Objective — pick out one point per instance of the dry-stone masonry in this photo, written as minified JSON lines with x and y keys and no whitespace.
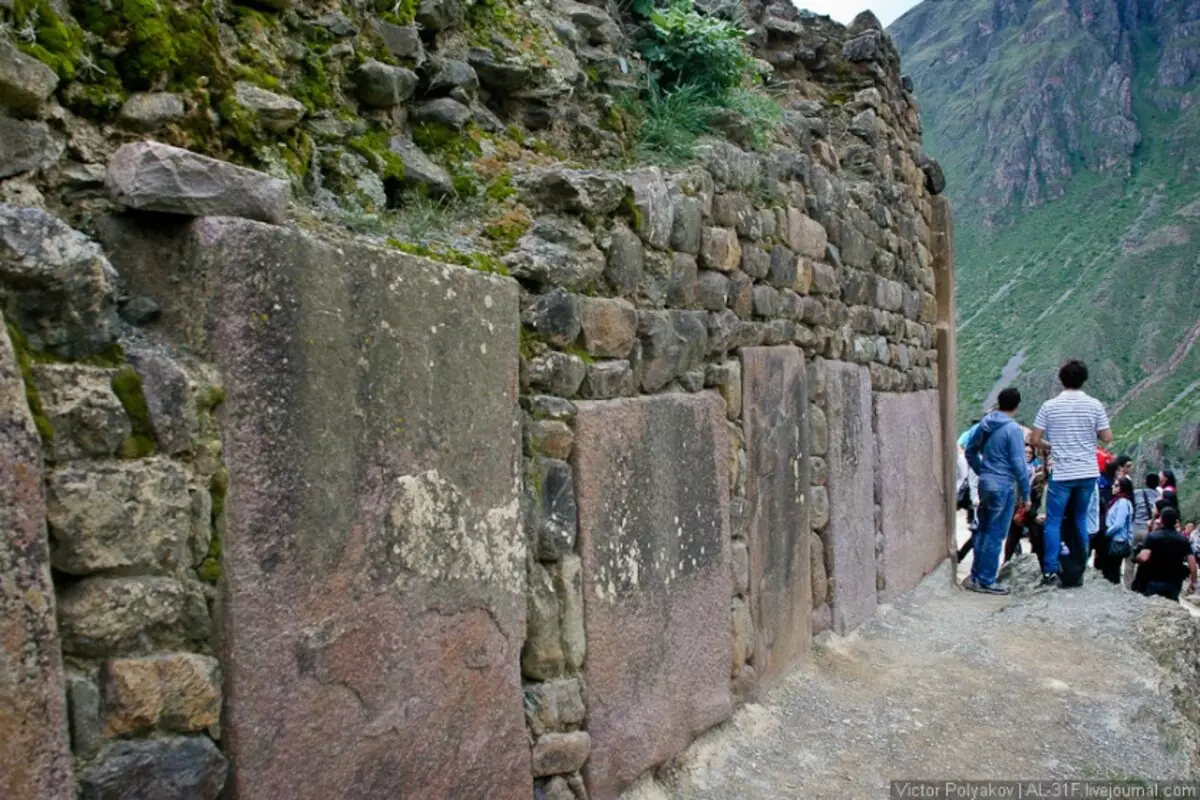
{"x":375,"y":420}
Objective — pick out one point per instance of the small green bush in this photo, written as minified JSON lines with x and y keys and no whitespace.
{"x":670,"y":122}
{"x":683,"y":46}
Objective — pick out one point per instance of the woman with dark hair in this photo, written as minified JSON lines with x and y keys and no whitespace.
{"x":1116,"y":543}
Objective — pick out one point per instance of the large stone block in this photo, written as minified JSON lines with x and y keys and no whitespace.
{"x":35,"y":758}
{"x":908,"y":443}
{"x":373,"y":557}
{"x":775,"y":413}
{"x":850,"y":535}
{"x":653,"y":535}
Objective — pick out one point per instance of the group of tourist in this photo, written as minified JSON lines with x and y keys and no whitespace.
{"x":1078,"y":502}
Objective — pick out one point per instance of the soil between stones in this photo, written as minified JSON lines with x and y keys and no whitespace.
{"x":1094,"y":682}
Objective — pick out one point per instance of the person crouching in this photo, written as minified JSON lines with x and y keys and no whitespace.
{"x":1165,"y":560}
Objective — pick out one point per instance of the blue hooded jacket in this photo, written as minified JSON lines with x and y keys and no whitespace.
{"x":996,"y":452}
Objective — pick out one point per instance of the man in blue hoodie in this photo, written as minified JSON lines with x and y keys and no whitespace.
{"x":996,"y":451}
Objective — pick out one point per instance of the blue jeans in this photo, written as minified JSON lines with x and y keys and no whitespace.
{"x":997,"y":502}
{"x":1077,"y":495}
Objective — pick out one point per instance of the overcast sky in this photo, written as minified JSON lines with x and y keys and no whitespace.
{"x":846,"y":10}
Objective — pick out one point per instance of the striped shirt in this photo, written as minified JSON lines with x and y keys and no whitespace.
{"x":1070,"y":423}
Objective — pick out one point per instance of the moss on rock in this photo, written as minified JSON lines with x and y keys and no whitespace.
{"x":127,"y":386}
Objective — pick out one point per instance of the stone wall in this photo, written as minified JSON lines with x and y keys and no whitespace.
{"x":320,"y":513}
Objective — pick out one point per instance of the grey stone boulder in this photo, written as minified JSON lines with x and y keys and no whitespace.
{"x":26,"y":146}
{"x":439,"y":15}
{"x":596,"y":22}
{"x":556,"y":373}
{"x":170,"y":398}
{"x":151,"y":176}
{"x":626,"y":260}
{"x":402,"y":41}
{"x":176,"y":768}
{"x":122,"y":514}
{"x":867,"y":46}
{"x":85,"y":414}
{"x":383,"y":85}
{"x":148,"y":111}
{"x":555,"y":317}
{"x":656,"y":213}
{"x":557,"y":251}
{"x":573,"y":191}
{"x":444,"y":111}
{"x":453,"y":76}
{"x":420,"y":171}
{"x":935,"y":178}
{"x":274,"y":112}
{"x":25,"y":83}
{"x":502,"y":76}
{"x":101,"y":617}
{"x":59,"y":289}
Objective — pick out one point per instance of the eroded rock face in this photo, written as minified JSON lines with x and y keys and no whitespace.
{"x":774,"y":406}
{"x":35,"y":760}
{"x":850,"y":535}
{"x":156,"y":177}
{"x":653,"y":536}
{"x":382,"y":551}
{"x":57,"y":286}
{"x":175,"y":768}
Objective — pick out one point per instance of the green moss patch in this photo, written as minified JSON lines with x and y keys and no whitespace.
{"x":127,"y":386}
{"x":32,"y":398}
{"x":482,"y":262}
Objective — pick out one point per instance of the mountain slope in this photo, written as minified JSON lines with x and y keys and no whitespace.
{"x":1069,"y":131}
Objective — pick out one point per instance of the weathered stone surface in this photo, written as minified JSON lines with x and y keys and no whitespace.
{"x":609,"y":327}
{"x":383,"y":85}
{"x":151,"y":176}
{"x":276,"y":113}
{"x":557,"y":788}
{"x":420,"y":171}
{"x":146,"y":111}
{"x":177,"y":768}
{"x":850,"y":536}
{"x":806,"y":236}
{"x":60,"y":288}
{"x":727,"y":377}
{"x":443,"y":111}
{"x":557,"y":373}
{"x":774,"y":411}
{"x":542,"y":653}
{"x":741,"y":566}
{"x":820,"y":579}
{"x":106,"y":515}
{"x":552,"y":438}
{"x":720,"y":249}
{"x":819,"y":513}
{"x":682,"y":291}
{"x":35,"y":758}
{"x":403,"y":41}
{"x":365,"y":521}
{"x":559,"y":753}
{"x":608,"y":379}
{"x":655,"y":217}
{"x":177,"y":692}
{"x":653,"y":536}
{"x":78,"y":401}
{"x":819,"y":430}
{"x":554,"y":705}
{"x":83,"y":710}
{"x":568,"y":584}
{"x":672,"y":343}
{"x":685,"y":232}
{"x":102,"y":617}
{"x":558,"y":251}
{"x":743,"y":635}
{"x":169,"y":397}
{"x":27,"y":146}
{"x":554,"y":525}
{"x":712,"y":289}
{"x":573,"y":191}
{"x":554,"y":316}
{"x":25,"y":83}
{"x":626,"y":260}
{"x":818,"y":470}
{"x":908,"y":442}
{"x":453,"y":77}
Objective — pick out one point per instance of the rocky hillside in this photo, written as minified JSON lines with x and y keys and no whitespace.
{"x":1068,"y":130}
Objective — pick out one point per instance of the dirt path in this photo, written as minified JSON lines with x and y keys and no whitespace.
{"x":951,"y":685}
{"x":1163,"y":371}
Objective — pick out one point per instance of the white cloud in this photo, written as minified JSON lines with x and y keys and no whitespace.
{"x":845,"y":10}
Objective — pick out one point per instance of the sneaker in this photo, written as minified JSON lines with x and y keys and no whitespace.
{"x":1051,"y":580}
{"x":972,"y":585}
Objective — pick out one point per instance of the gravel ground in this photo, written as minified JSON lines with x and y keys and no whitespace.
{"x":1092,"y":682}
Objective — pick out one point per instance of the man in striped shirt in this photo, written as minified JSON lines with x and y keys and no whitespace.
{"x":1069,"y":426}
